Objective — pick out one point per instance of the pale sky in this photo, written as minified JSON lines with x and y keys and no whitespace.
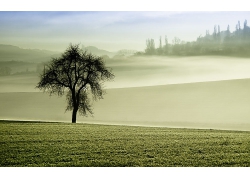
{"x":109,"y":30}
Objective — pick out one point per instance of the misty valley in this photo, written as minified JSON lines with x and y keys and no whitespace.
{"x":185,"y":103}
{"x":197,"y":92}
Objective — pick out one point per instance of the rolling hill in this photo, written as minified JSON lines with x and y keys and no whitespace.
{"x":14,"y":53}
{"x":98,"y":52}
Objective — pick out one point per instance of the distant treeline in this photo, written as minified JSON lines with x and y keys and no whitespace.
{"x":236,"y":43}
{"x":8,"y":68}
{"x":5,"y":71}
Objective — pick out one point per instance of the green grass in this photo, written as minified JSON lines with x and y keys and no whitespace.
{"x":65,"y":144}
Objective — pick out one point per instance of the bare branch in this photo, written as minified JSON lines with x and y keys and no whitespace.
{"x":76,"y":71}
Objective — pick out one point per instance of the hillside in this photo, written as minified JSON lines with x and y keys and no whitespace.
{"x":180,"y":101}
{"x":14,"y":53}
{"x":98,"y":52}
{"x":215,"y":105}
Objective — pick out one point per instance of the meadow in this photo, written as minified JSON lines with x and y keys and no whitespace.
{"x":88,"y":145}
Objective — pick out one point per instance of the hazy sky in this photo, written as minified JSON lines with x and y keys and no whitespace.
{"x":109,"y":30}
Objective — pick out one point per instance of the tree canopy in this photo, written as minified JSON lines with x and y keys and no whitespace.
{"x":78,"y":74}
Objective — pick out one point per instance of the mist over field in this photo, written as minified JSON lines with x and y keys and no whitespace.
{"x":196,"y":92}
{"x":152,"y":71}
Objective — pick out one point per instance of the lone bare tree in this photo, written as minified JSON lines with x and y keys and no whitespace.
{"x":79,"y":74}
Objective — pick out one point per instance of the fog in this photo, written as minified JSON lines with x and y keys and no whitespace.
{"x":191,"y":92}
{"x":18,"y":83}
{"x":155,"y":70}
{"x":152,"y":71}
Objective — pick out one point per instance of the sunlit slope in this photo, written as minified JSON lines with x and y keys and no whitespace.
{"x":221,"y":104}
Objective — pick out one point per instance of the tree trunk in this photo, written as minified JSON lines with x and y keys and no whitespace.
{"x":75,"y":108}
{"x":74,"y":115}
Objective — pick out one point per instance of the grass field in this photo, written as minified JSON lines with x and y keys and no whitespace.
{"x":65,"y":144}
